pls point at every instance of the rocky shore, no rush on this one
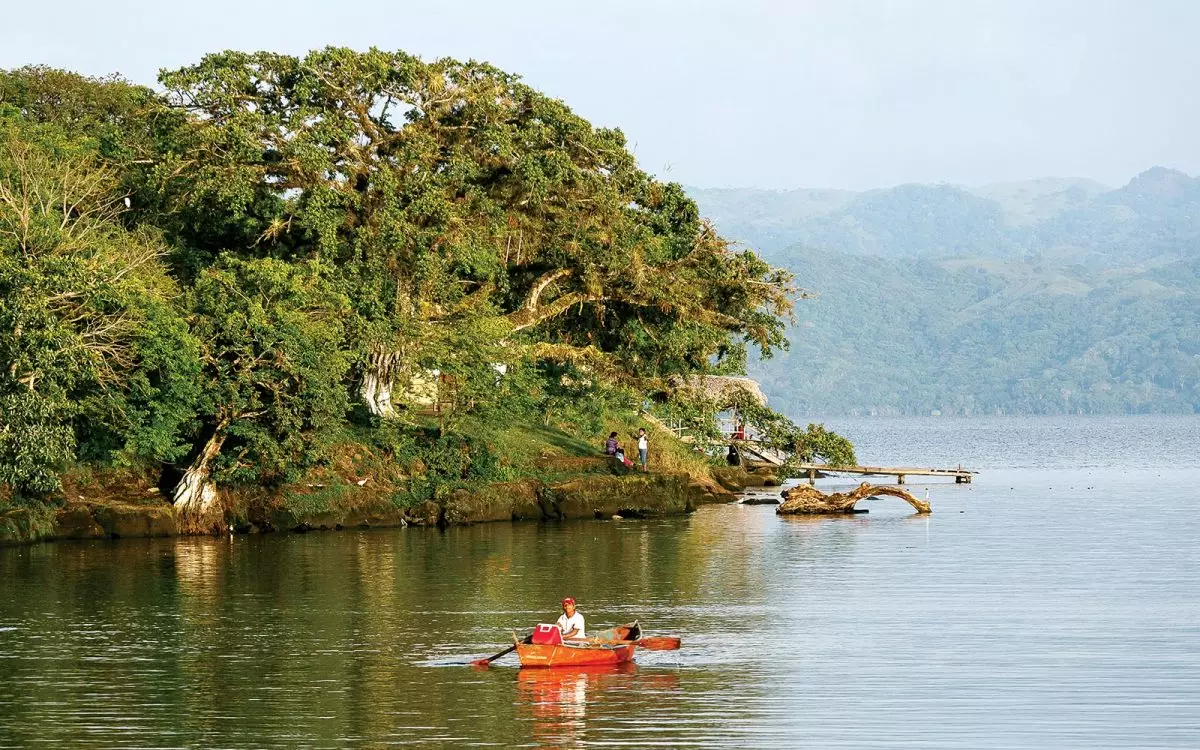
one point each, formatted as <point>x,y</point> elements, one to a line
<point>139,511</point>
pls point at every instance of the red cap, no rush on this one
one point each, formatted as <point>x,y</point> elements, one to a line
<point>567,601</point>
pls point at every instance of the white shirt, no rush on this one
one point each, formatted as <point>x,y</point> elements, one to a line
<point>567,624</point>
<point>643,444</point>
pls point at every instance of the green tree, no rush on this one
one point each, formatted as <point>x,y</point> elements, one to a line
<point>447,191</point>
<point>84,304</point>
<point>273,361</point>
<point>130,128</point>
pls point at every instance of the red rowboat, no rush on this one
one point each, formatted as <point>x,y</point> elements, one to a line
<point>607,648</point>
<point>572,655</point>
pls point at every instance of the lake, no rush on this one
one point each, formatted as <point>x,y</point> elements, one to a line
<point>1052,603</point>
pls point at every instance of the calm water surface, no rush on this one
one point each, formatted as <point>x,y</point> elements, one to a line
<point>1054,603</point>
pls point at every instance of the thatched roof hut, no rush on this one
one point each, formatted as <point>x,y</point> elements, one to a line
<point>722,388</point>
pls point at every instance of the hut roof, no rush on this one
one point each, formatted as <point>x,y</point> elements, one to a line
<point>723,388</point>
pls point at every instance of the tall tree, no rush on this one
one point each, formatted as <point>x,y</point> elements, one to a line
<point>446,192</point>
<point>273,359</point>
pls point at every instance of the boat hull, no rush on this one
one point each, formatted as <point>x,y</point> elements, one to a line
<point>568,655</point>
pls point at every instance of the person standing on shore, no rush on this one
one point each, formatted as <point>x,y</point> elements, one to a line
<point>643,447</point>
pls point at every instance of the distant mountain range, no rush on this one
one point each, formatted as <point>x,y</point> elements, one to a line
<point>1048,296</point>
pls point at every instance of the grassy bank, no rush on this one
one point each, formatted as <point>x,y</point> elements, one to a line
<point>374,478</point>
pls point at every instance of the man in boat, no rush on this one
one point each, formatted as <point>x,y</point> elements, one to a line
<point>571,621</point>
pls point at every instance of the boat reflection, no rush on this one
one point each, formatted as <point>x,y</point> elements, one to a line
<point>557,700</point>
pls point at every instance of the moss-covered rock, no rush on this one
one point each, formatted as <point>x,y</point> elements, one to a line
<point>77,522</point>
<point>285,518</point>
<point>737,478</point>
<point>374,518</point>
<point>503,501</point>
<point>596,493</point>
<point>732,478</point>
<point>635,495</point>
<point>19,525</point>
<point>91,520</point>
<point>136,521</point>
<point>428,513</point>
<point>702,491</point>
<point>765,479</point>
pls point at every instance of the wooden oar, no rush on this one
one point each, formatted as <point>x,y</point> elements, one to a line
<point>659,643</point>
<point>490,659</point>
<point>650,643</point>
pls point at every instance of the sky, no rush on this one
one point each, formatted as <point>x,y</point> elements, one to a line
<point>853,94</point>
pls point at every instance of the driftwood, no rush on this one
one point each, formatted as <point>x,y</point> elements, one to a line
<point>805,499</point>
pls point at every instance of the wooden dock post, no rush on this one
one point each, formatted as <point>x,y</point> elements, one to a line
<point>899,479</point>
<point>812,476</point>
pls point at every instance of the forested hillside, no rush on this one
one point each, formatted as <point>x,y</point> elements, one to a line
<point>1049,296</point>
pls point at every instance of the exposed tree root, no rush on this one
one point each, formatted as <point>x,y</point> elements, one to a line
<point>805,499</point>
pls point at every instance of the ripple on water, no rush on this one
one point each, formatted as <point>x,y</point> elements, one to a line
<point>1016,615</point>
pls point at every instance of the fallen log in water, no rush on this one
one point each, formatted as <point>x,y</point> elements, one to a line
<point>805,499</point>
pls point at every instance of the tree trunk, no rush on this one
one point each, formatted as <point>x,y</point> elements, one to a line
<point>196,495</point>
<point>808,500</point>
<point>377,395</point>
<point>378,383</point>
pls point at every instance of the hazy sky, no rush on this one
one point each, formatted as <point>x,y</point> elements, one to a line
<point>850,94</point>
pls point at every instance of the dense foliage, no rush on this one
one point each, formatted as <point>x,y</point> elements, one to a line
<point>97,360</point>
<point>1056,296</point>
<point>226,278</point>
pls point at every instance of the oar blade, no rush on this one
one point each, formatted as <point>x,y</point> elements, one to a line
<point>659,643</point>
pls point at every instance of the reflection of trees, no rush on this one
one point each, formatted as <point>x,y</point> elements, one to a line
<point>199,566</point>
<point>85,658</point>
<point>324,638</point>
<point>722,554</point>
<point>201,570</point>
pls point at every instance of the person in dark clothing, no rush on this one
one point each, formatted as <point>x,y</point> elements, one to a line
<point>733,458</point>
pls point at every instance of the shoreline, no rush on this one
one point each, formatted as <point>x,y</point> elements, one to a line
<point>591,495</point>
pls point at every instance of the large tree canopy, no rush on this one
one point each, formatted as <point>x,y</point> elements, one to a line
<point>447,191</point>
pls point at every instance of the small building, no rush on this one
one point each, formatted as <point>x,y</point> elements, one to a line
<point>724,389</point>
<point>727,391</point>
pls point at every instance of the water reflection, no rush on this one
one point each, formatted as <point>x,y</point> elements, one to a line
<point>557,701</point>
<point>997,622</point>
<point>199,565</point>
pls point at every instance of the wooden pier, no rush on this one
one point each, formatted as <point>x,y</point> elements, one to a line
<point>755,453</point>
<point>961,475</point>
